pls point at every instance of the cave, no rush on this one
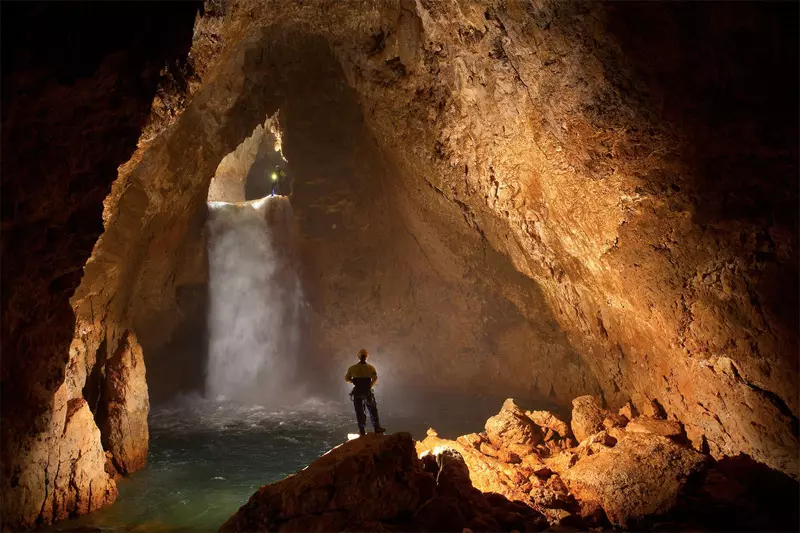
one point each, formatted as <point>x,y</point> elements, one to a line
<point>209,208</point>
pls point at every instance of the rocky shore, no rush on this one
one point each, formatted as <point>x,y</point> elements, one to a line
<point>528,471</point>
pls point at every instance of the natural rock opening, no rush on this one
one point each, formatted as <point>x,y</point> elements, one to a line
<point>517,193</point>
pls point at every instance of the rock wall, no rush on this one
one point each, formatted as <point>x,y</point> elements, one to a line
<point>77,88</point>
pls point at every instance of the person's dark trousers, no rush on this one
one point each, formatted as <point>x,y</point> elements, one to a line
<point>361,416</point>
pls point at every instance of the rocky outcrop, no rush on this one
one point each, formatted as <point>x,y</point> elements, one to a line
<point>641,476</point>
<point>126,406</point>
<point>626,479</point>
<point>377,483</point>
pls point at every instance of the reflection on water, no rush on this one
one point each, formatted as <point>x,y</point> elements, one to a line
<point>206,458</point>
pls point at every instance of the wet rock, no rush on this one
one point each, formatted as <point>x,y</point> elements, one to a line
<point>125,432</point>
<point>511,426</point>
<point>642,476</point>
<point>587,417</point>
<point>666,428</point>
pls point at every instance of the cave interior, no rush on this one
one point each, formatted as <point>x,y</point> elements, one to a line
<point>217,206</point>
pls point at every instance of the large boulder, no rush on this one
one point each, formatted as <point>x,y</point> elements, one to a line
<point>361,484</point>
<point>587,417</point>
<point>641,476</point>
<point>512,426</point>
<point>124,430</point>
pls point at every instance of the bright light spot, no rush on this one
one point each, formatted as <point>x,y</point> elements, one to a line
<point>351,436</point>
<point>274,176</point>
<point>257,204</point>
<point>439,450</point>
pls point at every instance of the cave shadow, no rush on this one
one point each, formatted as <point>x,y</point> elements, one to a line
<point>740,494</point>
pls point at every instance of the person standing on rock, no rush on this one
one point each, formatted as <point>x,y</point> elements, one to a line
<point>363,376</point>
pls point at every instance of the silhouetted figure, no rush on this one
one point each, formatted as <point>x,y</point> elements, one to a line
<point>276,177</point>
<point>363,377</point>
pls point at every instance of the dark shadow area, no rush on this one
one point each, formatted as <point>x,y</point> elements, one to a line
<point>78,82</point>
<point>739,494</point>
<point>178,367</point>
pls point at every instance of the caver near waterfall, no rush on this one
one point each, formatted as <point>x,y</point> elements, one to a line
<point>363,376</point>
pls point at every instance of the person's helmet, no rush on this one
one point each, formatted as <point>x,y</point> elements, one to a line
<point>362,354</point>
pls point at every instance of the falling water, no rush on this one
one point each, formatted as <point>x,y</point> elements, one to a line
<point>255,302</point>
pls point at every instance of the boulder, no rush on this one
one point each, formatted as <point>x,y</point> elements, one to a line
<point>666,428</point>
<point>511,426</point>
<point>587,417</point>
<point>361,484</point>
<point>641,476</point>
<point>547,420</point>
<point>124,428</point>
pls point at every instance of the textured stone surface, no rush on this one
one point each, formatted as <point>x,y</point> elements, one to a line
<point>377,483</point>
<point>77,87</point>
<point>641,476</point>
<point>124,429</point>
<point>547,420</point>
<point>587,417</point>
<point>666,428</point>
<point>511,426</point>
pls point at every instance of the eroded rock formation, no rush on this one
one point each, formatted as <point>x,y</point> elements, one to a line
<point>514,187</point>
<point>126,406</point>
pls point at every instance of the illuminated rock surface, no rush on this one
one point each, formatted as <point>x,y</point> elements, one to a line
<point>377,483</point>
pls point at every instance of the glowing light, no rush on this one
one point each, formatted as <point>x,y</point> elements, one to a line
<point>274,176</point>
<point>352,436</point>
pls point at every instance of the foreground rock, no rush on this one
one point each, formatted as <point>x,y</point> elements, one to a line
<point>377,483</point>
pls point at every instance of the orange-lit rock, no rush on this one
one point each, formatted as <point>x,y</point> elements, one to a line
<point>665,428</point>
<point>587,417</point>
<point>125,432</point>
<point>512,426</point>
<point>641,476</point>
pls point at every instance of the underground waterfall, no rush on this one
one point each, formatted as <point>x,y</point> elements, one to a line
<point>256,305</point>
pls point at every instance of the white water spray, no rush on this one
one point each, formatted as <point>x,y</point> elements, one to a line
<point>255,304</point>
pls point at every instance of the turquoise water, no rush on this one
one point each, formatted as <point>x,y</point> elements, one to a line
<point>206,459</point>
